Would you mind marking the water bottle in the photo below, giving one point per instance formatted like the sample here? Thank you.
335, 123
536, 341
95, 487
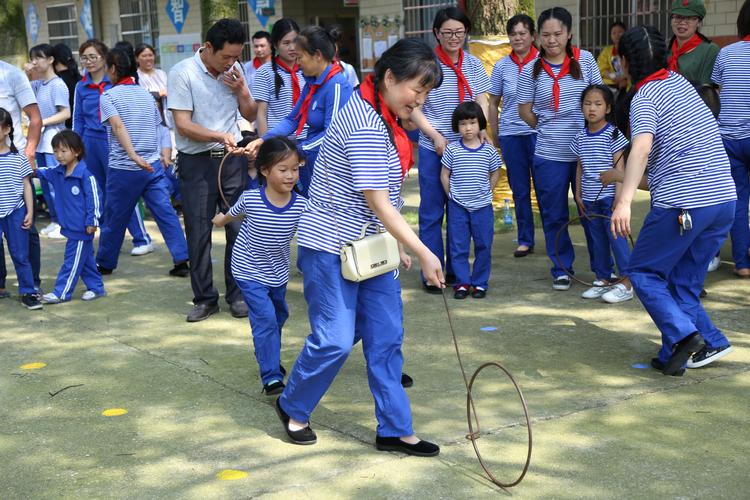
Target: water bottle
507, 215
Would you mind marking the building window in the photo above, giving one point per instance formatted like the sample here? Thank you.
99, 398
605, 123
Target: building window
244, 15
419, 16
63, 25
598, 15
138, 21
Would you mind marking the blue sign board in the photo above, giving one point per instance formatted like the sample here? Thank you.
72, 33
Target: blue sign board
87, 18
263, 9
177, 10
32, 23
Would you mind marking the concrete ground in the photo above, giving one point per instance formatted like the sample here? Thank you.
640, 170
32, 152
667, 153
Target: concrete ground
604, 424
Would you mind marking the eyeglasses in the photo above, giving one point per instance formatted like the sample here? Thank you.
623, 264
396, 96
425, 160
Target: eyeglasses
90, 58
453, 34
684, 19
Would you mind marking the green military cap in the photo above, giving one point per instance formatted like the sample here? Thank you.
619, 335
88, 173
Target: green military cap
689, 8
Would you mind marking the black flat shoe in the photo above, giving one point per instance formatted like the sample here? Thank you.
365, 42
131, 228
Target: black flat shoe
238, 309
421, 449
523, 253
478, 293
434, 290
302, 436
682, 351
273, 388
658, 365
199, 312
104, 270
406, 381
461, 292
181, 270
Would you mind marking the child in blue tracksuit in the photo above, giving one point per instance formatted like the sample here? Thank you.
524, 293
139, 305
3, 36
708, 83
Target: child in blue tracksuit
260, 258
599, 147
471, 168
16, 209
79, 202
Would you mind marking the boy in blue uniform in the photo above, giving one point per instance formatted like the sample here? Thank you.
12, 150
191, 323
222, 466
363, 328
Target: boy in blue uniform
79, 208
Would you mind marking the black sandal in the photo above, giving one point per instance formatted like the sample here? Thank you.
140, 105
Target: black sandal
421, 449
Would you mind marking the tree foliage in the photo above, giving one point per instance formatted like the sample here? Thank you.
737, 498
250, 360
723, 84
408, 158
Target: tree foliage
12, 28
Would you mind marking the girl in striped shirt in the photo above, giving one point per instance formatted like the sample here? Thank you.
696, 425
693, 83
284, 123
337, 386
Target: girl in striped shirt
471, 169
692, 202
260, 257
599, 147
730, 73
549, 101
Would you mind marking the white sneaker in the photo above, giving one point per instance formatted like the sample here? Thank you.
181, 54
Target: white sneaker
561, 283
142, 249
50, 298
55, 234
596, 291
618, 293
92, 295
50, 227
714, 264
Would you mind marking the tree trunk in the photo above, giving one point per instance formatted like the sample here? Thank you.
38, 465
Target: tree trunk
488, 17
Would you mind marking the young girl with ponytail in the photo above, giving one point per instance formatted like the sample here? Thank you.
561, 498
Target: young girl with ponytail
549, 101
277, 86
693, 196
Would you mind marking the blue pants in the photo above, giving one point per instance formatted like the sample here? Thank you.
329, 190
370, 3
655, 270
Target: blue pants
79, 262
267, 312
668, 269
518, 153
739, 158
337, 308
466, 226
306, 172
44, 160
35, 257
97, 161
603, 243
552, 181
124, 187
432, 207
18, 246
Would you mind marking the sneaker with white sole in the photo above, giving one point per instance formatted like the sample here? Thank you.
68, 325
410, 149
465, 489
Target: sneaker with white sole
55, 234
142, 249
708, 355
596, 291
49, 228
618, 293
50, 298
714, 264
561, 283
92, 295
31, 302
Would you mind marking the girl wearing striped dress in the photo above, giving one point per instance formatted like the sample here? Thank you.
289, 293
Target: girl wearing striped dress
86, 123
730, 73
358, 181
693, 198
549, 94
465, 79
516, 139
260, 257
278, 85
135, 169
53, 98
325, 93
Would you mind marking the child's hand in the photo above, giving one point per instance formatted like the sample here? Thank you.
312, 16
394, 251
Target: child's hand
90, 229
581, 206
611, 176
142, 163
484, 137
405, 258
27, 220
219, 220
166, 157
440, 143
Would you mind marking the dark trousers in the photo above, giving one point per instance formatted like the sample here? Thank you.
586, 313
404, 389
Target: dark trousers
200, 202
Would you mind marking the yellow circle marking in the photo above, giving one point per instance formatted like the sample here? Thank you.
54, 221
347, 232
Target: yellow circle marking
114, 412
231, 475
33, 366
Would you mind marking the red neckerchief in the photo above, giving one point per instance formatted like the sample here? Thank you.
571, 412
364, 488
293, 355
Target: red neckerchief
529, 57
99, 86
564, 70
400, 139
128, 80
614, 51
295, 81
662, 74
694, 41
333, 69
463, 85
257, 62
746, 39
